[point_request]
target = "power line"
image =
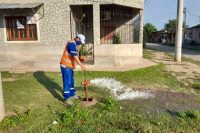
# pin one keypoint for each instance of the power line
(188, 11)
(193, 15)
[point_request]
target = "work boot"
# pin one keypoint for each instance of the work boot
(74, 97)
(68, 102)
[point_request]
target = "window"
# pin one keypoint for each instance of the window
(18, 29)
(119, 25)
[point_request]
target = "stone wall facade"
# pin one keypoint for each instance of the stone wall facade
(54, 30)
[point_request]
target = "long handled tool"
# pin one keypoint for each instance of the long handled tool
(85, 83)
(87, 101)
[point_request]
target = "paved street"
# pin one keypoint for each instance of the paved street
(186, 53)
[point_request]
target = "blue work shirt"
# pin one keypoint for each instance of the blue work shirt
(71, 48)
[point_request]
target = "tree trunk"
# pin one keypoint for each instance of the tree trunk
(2, 109)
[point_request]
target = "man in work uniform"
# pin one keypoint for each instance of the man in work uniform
(67, 64)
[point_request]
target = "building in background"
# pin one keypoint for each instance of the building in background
(193, 34)
(163, 36)
(32, 34)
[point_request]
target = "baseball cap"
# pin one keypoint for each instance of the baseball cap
(82, 38)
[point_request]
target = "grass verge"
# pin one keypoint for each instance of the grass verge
(36, 100)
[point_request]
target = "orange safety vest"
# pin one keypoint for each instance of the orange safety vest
(67, 59)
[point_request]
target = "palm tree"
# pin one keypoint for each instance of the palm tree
(2, 109)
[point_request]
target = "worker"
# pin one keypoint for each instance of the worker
(67, 65)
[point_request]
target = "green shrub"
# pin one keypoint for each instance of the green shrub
(75, 114)
(189, 114)
(83, 50)
(15, 120)
(108, 104)
(116, 39)
(196, 86)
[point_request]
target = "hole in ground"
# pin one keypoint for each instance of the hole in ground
(89, 99)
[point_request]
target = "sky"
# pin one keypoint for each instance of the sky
(158, 12)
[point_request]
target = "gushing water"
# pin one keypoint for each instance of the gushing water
(118, 90)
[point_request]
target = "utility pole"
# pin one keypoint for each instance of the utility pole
(184, 29)
(185, 13)
(2, 109)
(179, 31)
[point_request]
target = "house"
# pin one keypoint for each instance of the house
(193, 33)
(163, 36)
(33, 32)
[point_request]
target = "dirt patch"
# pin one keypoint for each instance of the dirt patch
(167, 100)
(18, 129)
(89, 103)
(185, 72)
(191, 70)
(10, 113)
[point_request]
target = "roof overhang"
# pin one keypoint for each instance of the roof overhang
(11, 6)
(22, 9)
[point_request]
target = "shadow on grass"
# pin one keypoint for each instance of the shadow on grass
(50, 85)
(172, 112)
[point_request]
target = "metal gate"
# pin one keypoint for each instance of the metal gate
(81, 22)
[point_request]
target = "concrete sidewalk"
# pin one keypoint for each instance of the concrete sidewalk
(185, 52)
(142, 63)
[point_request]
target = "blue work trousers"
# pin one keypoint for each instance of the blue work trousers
(68, 82)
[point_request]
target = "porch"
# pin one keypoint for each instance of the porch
(113, 33)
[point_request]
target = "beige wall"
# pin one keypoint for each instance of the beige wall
(117, 55)
(54, 30)
(30, 57)
(37, 57)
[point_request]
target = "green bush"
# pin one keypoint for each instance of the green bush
(108, 104)
(196, 86)
(15, 120)
(189, 114)
(116, 39)
(83, 50)
(75, 114)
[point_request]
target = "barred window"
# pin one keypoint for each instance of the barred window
(17, 29)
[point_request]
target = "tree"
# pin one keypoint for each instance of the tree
(171, 25)
(198, 25)
(148, 29)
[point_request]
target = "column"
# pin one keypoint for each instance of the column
(96, 23)
(141, 19)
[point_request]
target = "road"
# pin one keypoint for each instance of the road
(185, 53)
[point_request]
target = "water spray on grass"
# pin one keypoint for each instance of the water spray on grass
(118, 90)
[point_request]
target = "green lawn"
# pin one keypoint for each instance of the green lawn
(35, 100)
